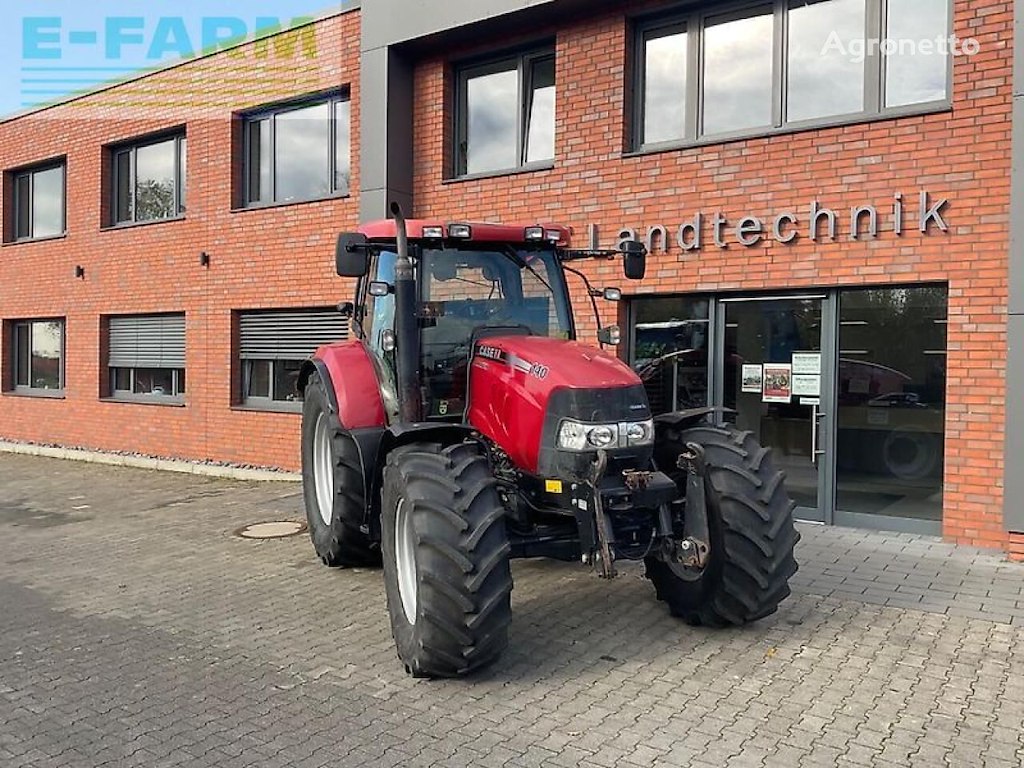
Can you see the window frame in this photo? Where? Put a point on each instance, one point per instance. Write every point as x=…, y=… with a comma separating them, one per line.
x=13, y=354
x=331, y=99
x=524, y=61
x=691, y=21
x=17, y=203
x=131, y=396
x=259, y=403
x=180, y=139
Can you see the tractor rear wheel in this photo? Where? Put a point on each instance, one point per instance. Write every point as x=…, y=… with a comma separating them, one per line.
x=750, y=522
x=332, y=485
x=446, y=559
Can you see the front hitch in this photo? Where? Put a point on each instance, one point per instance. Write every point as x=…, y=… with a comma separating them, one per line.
x=693, y=549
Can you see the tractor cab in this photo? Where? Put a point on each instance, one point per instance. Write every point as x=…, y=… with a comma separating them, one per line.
x=471, y=282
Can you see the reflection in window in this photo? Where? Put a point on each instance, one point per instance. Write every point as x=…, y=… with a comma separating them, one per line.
x=507, y=114
x=298, y=153
x=892, y=395
x=738, y=71
x=149, y=181
x=670, y=351
x=38, y=355
x=39, y=203
x=824, y=80
x=913, y=76
x=783, y=63
x=492, y=107
x=540, y=134
x=664, y=85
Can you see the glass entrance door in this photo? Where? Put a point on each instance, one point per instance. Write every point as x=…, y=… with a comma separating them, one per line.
x=773, y=377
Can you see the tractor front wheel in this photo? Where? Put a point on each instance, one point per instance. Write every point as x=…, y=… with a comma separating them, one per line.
x=446, y=559
x=750, y=522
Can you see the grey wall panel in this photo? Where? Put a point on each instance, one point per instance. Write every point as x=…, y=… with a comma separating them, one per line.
x=1013, y=473
x=387, y=22
x=386, y=146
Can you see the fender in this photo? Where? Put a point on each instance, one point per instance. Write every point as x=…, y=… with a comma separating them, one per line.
x=404, y=434
x=351, y=382
x=689, y=417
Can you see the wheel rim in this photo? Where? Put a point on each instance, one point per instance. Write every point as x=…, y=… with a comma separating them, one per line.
x=405, y=561
x=323, y=469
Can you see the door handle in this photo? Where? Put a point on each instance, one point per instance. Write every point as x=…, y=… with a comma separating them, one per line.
x=815, y=416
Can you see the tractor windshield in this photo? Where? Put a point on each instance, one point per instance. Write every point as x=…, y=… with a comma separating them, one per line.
x=466, y=291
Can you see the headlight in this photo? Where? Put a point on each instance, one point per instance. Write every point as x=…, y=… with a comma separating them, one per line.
x=577, y=436
x=603, y=436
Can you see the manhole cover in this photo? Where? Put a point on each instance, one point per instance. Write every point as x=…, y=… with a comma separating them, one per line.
x=274, y=530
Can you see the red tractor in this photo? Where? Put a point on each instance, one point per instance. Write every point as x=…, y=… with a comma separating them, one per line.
x=466, y=426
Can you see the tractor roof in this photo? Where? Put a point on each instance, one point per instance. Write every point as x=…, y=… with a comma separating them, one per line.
x=484, y=232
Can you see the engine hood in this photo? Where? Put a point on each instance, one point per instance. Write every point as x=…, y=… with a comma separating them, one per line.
x=513, y=379
x=558, y=363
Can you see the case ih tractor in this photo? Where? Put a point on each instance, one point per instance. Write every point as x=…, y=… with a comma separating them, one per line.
x=465, y=426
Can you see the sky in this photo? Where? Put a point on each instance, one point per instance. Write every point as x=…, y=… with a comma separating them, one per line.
x=52, y=48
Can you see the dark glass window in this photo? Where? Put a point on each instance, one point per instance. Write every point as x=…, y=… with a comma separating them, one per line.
x=507, y=113
x=299, y=152
x=670, y=350
x=39, y=202
x=38, y=355
x=787, y=62
x=738, y=71
x=149, y=180
x=823, y=80
x=892, y=401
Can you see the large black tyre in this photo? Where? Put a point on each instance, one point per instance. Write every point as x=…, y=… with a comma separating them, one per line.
x=446, y=559
x=750, y=521
x=332, y=485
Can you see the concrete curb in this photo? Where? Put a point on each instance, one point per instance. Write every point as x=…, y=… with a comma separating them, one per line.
x=144, y=462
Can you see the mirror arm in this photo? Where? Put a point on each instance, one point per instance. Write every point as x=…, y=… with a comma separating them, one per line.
x=592, y=292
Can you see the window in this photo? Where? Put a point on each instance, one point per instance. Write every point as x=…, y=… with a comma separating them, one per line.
x=149, y=180
x=787, y=63
x=37, y=356
x=892, y=401
x=669, y=350
x=146, y=357
x=273, y=346
x=39, y=207
x=298, y=152
x=506, y=117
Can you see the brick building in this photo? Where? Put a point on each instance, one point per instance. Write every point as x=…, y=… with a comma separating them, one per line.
x=832, y=255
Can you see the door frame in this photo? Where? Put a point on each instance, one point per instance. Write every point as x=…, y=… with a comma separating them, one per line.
x=825, y=513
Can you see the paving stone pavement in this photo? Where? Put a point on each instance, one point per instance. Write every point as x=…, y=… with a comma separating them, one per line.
x=135, y=629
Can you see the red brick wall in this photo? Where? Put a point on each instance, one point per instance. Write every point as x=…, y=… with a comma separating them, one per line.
x=276, y=257
x=962, y=155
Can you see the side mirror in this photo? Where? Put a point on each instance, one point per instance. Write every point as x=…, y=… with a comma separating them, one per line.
x=351, y=254
x=612, y=335
x=634, y=259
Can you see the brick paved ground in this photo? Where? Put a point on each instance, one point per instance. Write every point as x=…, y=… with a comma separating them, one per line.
x=136, y=630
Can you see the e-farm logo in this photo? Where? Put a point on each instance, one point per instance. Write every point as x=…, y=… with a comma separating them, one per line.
x=45, y=38
x=60, y=57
